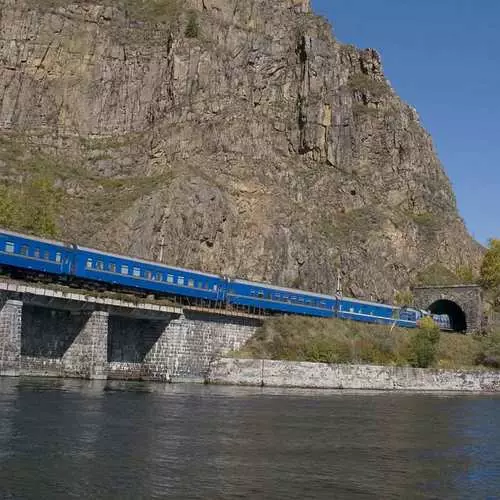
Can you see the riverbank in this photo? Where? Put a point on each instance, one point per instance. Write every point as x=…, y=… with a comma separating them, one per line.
x=335, y=341
x=263, y=372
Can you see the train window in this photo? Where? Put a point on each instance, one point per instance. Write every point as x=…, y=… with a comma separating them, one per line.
x=58, y=257
x=252, y=292
x=215, y=288
x=199, y=284
x=124, y=269
x=170, y=278
x=136, y=272
x=37, y=253
x=260, y=295
x=191, y=283
x=205, y=286
x=147, y=274
x=88, y=265
x=9, y=247
x=24, y=250
x=100, y=265
x=46, y=255
x=112, y=267
x=159, y=277
x=180, y=280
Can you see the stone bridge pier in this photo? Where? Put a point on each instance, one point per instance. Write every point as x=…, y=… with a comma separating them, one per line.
x=462, y=303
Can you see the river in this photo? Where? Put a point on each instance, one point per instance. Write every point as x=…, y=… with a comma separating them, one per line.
x=77, y=439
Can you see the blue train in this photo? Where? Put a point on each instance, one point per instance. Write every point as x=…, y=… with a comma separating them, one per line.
x=71, y=262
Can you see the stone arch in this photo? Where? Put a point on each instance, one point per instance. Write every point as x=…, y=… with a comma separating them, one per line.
x=457, y=316
x=463, y=303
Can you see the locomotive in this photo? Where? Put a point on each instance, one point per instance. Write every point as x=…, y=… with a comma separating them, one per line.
x=69, y=262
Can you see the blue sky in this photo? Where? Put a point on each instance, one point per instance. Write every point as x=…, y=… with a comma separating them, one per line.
x=443, y=58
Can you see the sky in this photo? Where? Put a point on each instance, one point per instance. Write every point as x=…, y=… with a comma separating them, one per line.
x=443, y=58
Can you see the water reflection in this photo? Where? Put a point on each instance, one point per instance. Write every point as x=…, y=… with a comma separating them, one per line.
x=73, y=439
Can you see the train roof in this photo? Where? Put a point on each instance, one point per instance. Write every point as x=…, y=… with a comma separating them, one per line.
x=95, y=250
x=148, y=262
x=33, y=237
x=312, y=294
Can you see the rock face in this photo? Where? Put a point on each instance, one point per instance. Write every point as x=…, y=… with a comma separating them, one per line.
x=233, y=136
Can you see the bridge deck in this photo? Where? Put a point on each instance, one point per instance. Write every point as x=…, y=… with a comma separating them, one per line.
x=90, y=298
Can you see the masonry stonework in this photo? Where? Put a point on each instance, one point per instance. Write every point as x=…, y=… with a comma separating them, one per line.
x=264, y=372
x=181, y=347
x=468, y=298
x=61, y=337
x=87, y=355
x=10, y=337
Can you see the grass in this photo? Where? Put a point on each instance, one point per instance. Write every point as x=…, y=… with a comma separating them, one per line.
x=360, y=82
x=159, y=11
x=41, y=194
x=437, y=274
x=296, y=338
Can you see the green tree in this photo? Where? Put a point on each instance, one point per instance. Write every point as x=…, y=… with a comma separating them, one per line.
x=490, y=268
x=31, y=207
x=424, y=344
x=42, y=213
x=7, y=208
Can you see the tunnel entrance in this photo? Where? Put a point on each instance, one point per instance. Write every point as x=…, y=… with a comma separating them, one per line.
x=454, y=311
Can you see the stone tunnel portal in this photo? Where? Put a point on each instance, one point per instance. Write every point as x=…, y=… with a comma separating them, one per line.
x=457, y=316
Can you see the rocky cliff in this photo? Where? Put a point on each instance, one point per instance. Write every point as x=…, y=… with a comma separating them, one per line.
x=233, y=136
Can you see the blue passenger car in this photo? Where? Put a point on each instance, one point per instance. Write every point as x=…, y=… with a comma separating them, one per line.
x=35, y=254
x=371, y=312
x=267, y=297
x=146, y=275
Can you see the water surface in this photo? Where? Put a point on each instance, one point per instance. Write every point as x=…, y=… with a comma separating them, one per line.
x=77, y=439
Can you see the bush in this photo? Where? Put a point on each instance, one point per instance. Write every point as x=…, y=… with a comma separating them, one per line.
x=424, y=344
x=489, y=355
x=404, y=298
x=192, y=27
x=31, y=207
x=490, y=271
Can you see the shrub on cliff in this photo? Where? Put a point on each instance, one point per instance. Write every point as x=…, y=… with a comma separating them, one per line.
x=490, y=270
x=424, y=344
x=192, y=28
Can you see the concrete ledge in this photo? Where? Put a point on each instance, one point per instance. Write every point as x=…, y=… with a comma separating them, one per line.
x=89, y=299
x=257, y=372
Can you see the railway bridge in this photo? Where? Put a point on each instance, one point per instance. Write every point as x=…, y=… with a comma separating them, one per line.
x=462, y=303
x=54, y=333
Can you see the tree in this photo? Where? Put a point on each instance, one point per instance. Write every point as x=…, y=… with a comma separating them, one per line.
x=424, y=344
x=490, y=268
x=490, y=272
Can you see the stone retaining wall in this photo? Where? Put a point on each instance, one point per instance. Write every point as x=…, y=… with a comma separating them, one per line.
x=254, y=372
